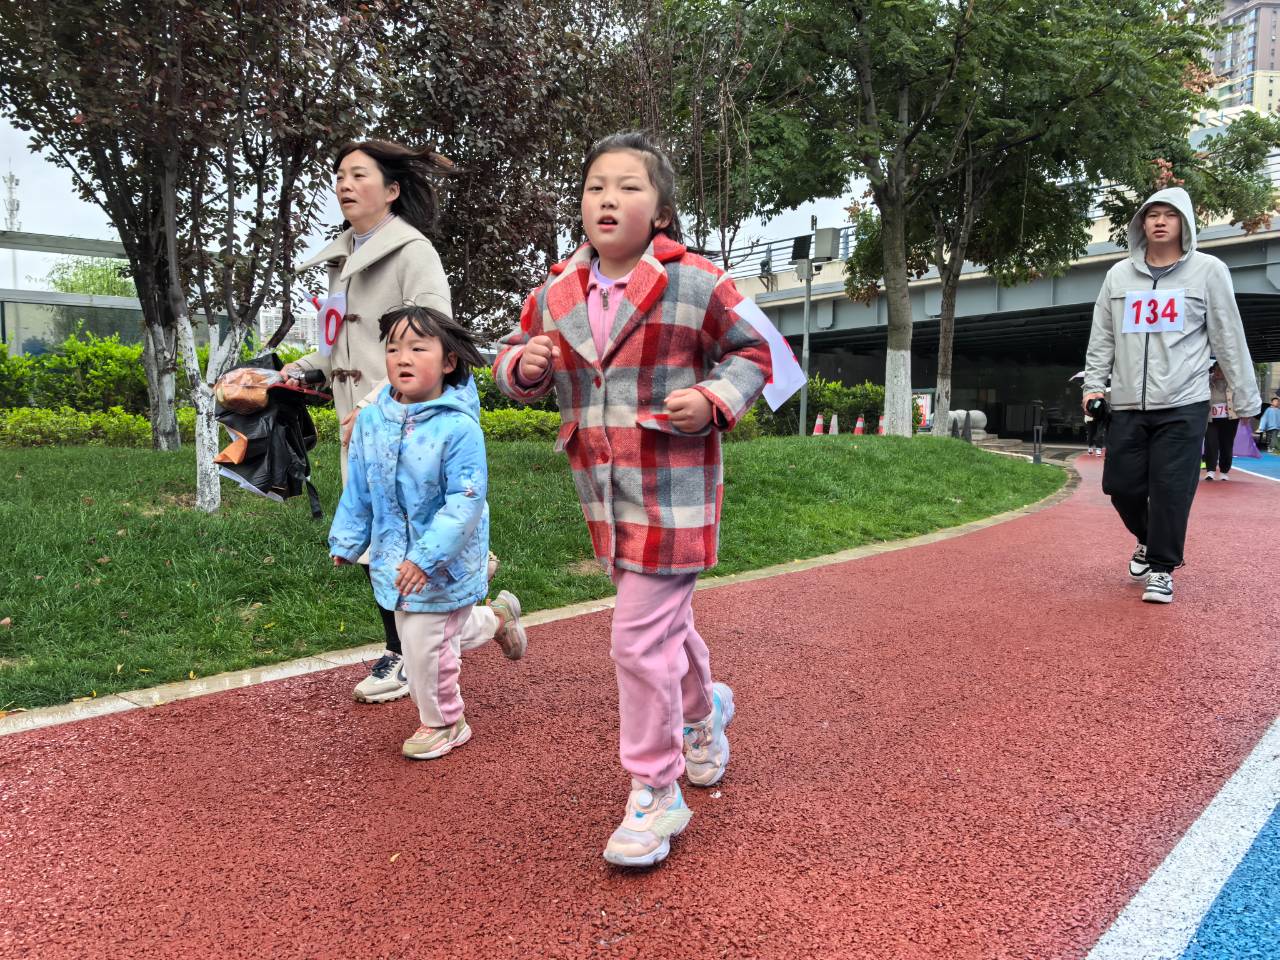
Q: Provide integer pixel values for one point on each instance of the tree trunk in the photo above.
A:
(157, 361)
(208, 489)
(946, 338)
(897, 361)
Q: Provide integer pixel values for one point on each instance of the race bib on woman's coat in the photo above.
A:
(329, 321)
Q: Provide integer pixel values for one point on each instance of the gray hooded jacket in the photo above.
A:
(1152, 371)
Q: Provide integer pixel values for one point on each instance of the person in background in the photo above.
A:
(1161, 312)
(1220, 433)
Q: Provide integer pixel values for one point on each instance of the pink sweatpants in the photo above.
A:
(432, 644)
(664, 672)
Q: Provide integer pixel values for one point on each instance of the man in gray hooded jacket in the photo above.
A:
(1161, 313)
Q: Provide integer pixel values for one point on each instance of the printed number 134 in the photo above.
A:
(1151, 311)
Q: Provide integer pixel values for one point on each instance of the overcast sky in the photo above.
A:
(49, 204)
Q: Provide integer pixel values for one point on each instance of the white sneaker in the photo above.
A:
(1138, 566)
(706, 748)
(511, 636)
(1222, 477)
(385, 682)
(1159, 588)
(427, 743)
(654, 815)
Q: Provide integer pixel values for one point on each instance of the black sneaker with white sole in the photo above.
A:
(1159, 588)
(1138, 566)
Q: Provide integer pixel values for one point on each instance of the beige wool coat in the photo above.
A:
(394, 265)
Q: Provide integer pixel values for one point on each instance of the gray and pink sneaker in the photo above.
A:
(706, 747)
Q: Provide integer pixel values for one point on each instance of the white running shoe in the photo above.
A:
(511, 635)
(427, 743)
(1159, 588)
(654, 815)
(385, 682)
(706, 748)
(1138, 566)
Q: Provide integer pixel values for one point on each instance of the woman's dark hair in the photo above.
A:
(661, 173)
(415, 170)
(454, 337)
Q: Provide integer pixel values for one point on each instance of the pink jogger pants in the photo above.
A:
(433, 645)
(664, 672)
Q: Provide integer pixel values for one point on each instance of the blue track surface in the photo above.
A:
(1244, 922)
(1268, 466)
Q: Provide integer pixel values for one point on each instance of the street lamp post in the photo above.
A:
(807, 264)
(804, 271)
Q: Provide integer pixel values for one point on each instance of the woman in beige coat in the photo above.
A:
(381, 260)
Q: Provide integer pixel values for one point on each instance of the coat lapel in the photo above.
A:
(648, 283)
(566, 299)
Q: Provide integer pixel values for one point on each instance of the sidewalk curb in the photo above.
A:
(187, 689)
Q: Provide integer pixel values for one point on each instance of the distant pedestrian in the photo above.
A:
(650, 364)
(1270, 424)
(1160, 314)
(1220, 433)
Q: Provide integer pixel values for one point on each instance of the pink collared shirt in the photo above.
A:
(603, 297)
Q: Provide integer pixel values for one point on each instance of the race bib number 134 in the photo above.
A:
(1154, 311)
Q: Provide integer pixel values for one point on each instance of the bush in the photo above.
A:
(519, 424)
(39, 427)
(491, 398)
(828, 397)
(747, 427)
(87, 373)
(15, 379)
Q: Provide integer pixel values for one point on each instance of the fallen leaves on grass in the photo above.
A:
(103, 560)
(6, 623)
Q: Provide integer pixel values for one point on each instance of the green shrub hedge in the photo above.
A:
(40, 427)
(90, 373)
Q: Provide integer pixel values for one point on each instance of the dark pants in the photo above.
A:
(1151, 474)
(1219, 443)
(388, 620)
(1092, 429)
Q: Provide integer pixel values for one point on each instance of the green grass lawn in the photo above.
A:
(111, 582)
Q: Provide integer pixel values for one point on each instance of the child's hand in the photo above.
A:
(341, 562)
(689, 409)
(538, 357)
(410, 578)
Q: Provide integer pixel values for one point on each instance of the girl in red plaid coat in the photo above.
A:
(650, 363)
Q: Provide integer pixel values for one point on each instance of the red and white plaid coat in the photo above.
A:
(651, 494)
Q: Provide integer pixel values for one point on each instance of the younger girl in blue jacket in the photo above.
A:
(415, 500)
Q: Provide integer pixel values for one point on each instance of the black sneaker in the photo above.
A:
(1138, 566)
(1159, 588)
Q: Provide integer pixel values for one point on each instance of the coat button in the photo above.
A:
(596, 381)
(602, 458)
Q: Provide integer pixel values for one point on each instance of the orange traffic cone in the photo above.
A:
(835, 425)
(817, 427)
(859, 428)
(880, 429)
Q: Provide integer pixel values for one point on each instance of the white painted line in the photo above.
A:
(1164, 915)
(1252, 474)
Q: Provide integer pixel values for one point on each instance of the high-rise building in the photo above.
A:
(1247, 64)
(304, 331)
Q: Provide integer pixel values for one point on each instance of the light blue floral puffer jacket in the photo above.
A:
(416, 486)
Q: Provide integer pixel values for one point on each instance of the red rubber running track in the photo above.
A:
(975, 748)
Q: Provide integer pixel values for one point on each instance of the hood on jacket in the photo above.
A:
(464, 399)
(1180, 200)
